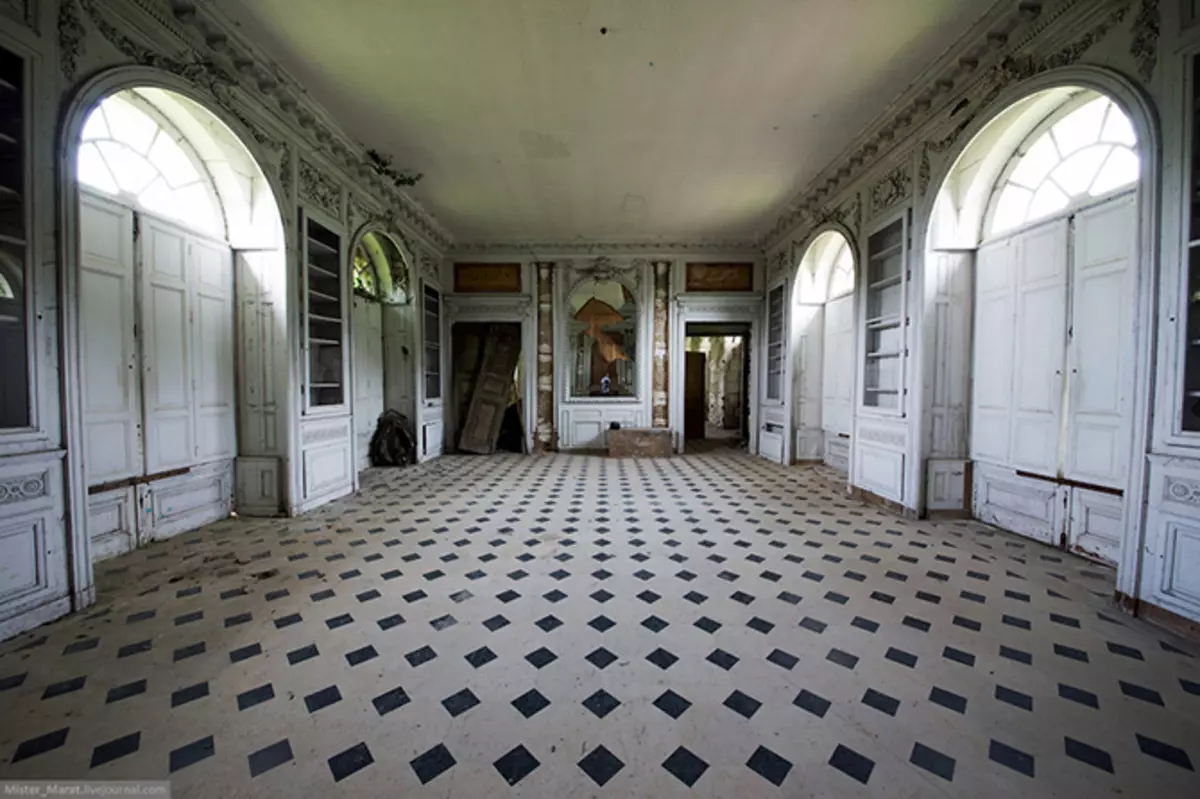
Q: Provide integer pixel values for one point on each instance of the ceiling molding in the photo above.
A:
(539, 249)
(215, 38)
(972, 70)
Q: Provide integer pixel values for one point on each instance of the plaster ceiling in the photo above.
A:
(606, 120)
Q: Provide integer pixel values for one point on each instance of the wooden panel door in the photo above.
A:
(367, 321)
(995, 322)
(493, 390)
(166, 315)
(1039, 356)
(837, 384)
(1100, 362)
(112, 401)
(214, 366)
(695, 397)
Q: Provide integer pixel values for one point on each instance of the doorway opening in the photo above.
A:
(182, 309)
(487, 380)
(382, 323)
(823, 345)
(716, 406)
(1033, 245)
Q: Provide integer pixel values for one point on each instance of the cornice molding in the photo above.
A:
(538, 249)
(971, 76)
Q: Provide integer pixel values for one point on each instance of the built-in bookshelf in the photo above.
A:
(14, 234)
(325, 320)
(775, 344)
(432, 308)
(884, 320)
(1190, 415)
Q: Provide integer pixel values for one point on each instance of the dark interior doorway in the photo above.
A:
(717, 384)
(486, 386)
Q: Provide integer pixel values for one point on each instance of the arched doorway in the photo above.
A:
(182, 319)
(1032, 253)
(823, 344)
(382, 329)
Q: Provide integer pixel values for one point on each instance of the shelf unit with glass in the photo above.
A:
(324, 314)
(431, 305)
(15, 397)
(1189, 414)
(885, 319)
(775, 343)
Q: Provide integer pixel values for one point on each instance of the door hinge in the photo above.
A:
(137, 227)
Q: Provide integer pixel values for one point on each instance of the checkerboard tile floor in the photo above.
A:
(575, 626)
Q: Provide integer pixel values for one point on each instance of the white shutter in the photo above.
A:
(111, 378)
(991, 399)
(166, 346)
(368, 374)
(1039, 357)
(837, 385)
(1101, 354)
(214, 367)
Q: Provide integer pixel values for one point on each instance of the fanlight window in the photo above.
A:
(127, 154)
(841, 277)
(1088, 153)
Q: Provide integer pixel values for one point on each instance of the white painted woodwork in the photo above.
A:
(995, 318)
(166, 340)
(945, 481)
(1039, 339)
(173, 505)
(837, 384)
(880, 470)
(327, 459)
(112, 522)
(368, 370)
(257, 486)
(33, 547)
(1096, 523)
(112, 401)
(214, 376)
(837, 453)
(1033, 508)
(262, 351)
(1170, 576)
(1100, 358)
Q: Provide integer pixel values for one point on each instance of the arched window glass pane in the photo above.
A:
(841, 280)
(1087, 153)
(364, 274)
(126, 153)
(6, 289)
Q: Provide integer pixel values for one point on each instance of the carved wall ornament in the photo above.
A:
(285, 172)
(1009, 45)
(1145, 31)
(23, 11)
(315, 435)
(924, 173)
(71, 36)
(24, 488)
(608, 247)
(1177, 489)
(319, 188)
(429, 267)
(848, 214)
(200, 71)
(895, 187)
(892, 438)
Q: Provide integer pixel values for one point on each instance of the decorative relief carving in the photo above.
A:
(24, 488)
(429, 267)
(1009, 69)
(609, 247)
(315, 435)
(848, 215)
(777, 266)
(198, 70)
(285, 172)
(924, 173)
(604, 268)
(71, 35)
(1144, 48)
(23, 11)
(895, 187)
(1177, 489)
(893, 438)
(319, 188)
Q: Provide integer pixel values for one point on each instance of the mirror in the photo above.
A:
(602, 332)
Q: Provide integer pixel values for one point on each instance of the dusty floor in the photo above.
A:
(575, 626)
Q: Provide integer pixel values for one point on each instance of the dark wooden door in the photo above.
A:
(493, 390)
(695, 398)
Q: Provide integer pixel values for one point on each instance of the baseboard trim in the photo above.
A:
(1159, 617)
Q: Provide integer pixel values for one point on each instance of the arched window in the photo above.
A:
(1089, 151)
(127, 153)
(365, 281)
(841, 276)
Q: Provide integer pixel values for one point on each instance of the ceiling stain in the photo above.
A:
(536, 144)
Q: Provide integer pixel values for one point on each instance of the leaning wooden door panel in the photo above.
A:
(493, 390)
